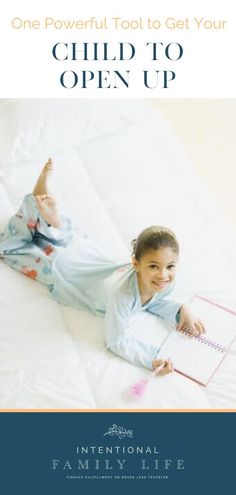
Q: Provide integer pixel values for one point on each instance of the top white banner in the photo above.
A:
(98, 50)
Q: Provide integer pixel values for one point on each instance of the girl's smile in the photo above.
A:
(156, 269)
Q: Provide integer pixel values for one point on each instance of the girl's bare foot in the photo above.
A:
(41, 186)
(47, 205)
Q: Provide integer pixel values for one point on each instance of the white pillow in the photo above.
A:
(35, 129)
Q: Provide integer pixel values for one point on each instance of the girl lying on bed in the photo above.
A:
(37, 242)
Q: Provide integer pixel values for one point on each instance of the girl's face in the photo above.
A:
(156, 269)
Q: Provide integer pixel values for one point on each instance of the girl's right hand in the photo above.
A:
(168, 366)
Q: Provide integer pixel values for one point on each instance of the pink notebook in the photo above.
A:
(199, 357)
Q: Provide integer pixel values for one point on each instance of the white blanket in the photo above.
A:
(118, 169)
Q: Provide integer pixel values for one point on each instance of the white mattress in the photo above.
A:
(119, 168)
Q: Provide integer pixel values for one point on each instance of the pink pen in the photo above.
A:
(139, 388)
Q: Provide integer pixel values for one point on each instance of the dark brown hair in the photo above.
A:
(154, 237)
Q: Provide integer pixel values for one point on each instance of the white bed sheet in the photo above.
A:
(112, 187)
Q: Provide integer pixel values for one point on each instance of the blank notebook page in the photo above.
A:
(198, 358)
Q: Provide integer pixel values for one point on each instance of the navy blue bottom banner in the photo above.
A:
(69, 453)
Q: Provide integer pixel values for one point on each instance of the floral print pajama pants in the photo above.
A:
(30, 245)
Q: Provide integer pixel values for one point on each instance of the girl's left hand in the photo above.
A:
(189, 321)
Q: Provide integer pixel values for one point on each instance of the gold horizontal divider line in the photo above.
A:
(117, 410)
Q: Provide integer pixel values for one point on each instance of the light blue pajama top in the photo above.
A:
(79, 274)
(85, 279)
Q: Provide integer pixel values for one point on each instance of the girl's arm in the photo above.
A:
(121, 334)
(166, 308)
(179, 314)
